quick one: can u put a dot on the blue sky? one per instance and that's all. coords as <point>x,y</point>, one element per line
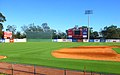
<point>61,14</point>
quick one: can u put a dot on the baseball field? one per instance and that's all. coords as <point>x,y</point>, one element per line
<point>40,53</point>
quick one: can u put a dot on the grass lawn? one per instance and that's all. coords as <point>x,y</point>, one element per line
<point>39,53</point>
<point>117,50</point>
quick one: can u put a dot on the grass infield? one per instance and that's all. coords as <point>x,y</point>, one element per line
<point>39,53</point>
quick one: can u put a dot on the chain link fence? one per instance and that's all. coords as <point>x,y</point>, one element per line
<point>22,69</point>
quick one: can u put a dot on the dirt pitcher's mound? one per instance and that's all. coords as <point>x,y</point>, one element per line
<point>3,57</point>
<point>88,52</point>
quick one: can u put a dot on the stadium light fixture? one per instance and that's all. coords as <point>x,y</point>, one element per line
<point>88,12</point>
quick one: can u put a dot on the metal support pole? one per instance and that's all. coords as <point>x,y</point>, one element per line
<point>84,70</point>
<point>34,69</point>
<point>64,72</point>
<point>88,12</point>
<point>88,28</point>
<point>12,69</point>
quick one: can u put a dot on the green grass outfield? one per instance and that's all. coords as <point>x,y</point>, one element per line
<point>39,53</point>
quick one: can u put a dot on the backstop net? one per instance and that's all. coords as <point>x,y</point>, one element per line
<point>39,36</point>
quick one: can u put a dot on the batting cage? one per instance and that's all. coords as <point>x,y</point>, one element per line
<point>39,36</point>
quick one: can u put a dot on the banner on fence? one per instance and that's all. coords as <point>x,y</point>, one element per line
<point>62,40</point>
<point>112,40</point>
<point>2,40</point>
<point>20,40</point>
<point>96,40</point>
<point>85,40</point>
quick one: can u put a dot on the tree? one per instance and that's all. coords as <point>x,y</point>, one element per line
<point>2,19</point>
<point>45,27</point>
<point>39,29</point>
<point>61,35</point>
<point>23,35</point>
<point>111,32</point>
<point>36,28</point>
<point>94,35</point>
<point>25,29</point>
<point>1,33</point>
<point>1,27</point>
<point>31,28</point>
<point>18,35</point>
<point>12,28</point>
<point>54,34</point>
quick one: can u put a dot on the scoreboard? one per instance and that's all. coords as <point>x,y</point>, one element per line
<point>85,32</point>
<point>77,33</point>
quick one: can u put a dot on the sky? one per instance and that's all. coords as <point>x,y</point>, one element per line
<point>61,14</point>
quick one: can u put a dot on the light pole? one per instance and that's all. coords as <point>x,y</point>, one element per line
<point>88,12</point>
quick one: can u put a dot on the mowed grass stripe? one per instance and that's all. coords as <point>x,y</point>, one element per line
<point>117,50</point>
<point>39,53</point>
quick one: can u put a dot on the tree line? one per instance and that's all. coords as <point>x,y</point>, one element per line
<point>109,32</point>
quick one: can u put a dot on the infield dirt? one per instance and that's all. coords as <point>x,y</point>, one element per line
<point>88,53</point>
<point>3,57</point>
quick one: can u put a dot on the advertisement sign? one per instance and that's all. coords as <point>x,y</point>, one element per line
<point>2,40</point>
<point>84,36</point>
<point>96,40</point>
<point>7,34</point>
<point>85,33</point>
<point>91,40</point>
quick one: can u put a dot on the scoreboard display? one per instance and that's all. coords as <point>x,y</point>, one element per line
<point>77,33</point>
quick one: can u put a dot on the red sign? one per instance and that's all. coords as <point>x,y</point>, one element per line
<point>7,34</point>
<point>11,40</point>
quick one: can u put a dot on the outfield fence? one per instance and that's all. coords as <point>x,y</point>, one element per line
<point>57,40</point>
<point>22,69</point>
<point>39,35</point>
<point>86,40</point>
<point>39,40</point>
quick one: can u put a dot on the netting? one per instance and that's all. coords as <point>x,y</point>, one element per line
<point>39,35</point>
